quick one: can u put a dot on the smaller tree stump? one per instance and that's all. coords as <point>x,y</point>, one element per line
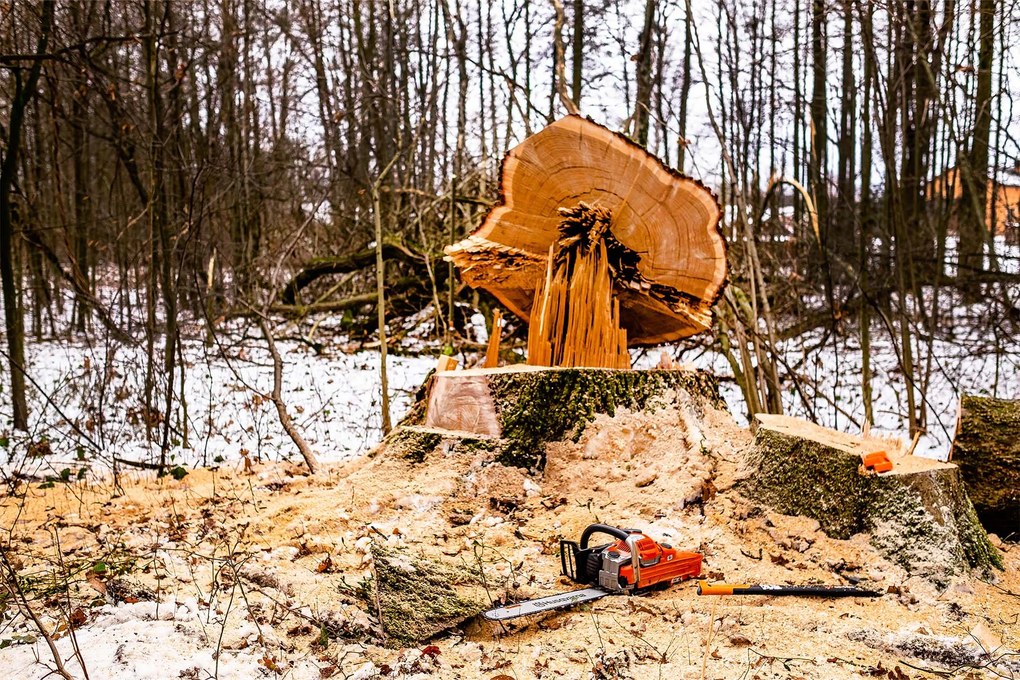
<point>918,514</point>
<point>987,449</point>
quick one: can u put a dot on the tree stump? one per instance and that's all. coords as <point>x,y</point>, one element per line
<point>987,450</point>
<point>515,411</point>
<point>918,514</point>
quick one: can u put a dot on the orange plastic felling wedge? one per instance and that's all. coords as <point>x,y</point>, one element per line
<point>877,461</point>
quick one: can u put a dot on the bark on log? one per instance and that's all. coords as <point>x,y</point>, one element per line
<point>918,514</point>
<point>416,598</point>
<point>987,450</point>
<point>516,410</point>
<point>316,269</point>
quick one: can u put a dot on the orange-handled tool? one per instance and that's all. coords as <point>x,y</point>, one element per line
<point>705,588</point>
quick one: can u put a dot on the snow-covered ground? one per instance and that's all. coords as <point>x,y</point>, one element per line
<point>87,403</point>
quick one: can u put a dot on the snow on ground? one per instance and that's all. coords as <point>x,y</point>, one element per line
<point>88,403</point>
<point>155,641</point>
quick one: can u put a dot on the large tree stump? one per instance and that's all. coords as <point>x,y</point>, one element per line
<point>515,411</point>
<point>987,450</point>
<point>918,514</point>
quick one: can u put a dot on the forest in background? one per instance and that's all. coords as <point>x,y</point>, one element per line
<point>170,168</point>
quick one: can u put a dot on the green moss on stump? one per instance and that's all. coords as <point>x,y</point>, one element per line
<point>537,407</point>
<point>921,520</point>
<point>987,449</point>
<point>415,443</point>
<point>790,478</point>
<point>416,598</point>
<point>925,523</point>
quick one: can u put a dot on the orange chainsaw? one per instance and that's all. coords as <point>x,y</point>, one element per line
<point>631,565</point>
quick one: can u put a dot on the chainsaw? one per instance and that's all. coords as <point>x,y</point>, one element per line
<point>631,565</point>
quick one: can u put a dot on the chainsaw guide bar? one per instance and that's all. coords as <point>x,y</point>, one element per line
<point>544,604</point>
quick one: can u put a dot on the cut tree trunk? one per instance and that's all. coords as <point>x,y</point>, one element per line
<point>666,252</point>
<point>987,450</point>
<point>918,514</point>
<point>515,411</point>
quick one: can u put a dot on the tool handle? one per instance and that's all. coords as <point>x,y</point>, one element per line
<point>601,529</point>
<point>704,588</point>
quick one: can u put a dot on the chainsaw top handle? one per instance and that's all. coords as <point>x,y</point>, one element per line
<point>603,529</point>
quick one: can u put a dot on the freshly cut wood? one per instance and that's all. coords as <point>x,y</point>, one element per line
<point>987,449</point>
<point>918,514</point>
<point>670,264</point>
<point>516,410</point>
<point>492,351</point>
<point>576,317</point>
<point>460,401</point>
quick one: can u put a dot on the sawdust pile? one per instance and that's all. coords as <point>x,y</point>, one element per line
<point>293,569</point>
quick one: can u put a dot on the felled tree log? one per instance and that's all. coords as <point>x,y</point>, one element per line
<point>416,598</point>
<point>987,450</point>
<point>326,266</point>
<point>918,514</point>
<point>666,248</point>
<point>515,411</point>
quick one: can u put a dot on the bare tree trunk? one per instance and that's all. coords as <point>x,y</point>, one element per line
<point>972,220</point>
<point>578,51</point>
<point>14,319</point>
<point>685,92</point>
<point>281,408</point>
<point>643,96</point>
<point>559,62</point>
<point>380,284</point>
<point>819,119</point>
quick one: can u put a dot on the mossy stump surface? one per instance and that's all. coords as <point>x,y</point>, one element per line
<point>415,442</point>
<point>527,407</point>
<point>415,598</point>
<point>987,449</point>
<point>918,515</point>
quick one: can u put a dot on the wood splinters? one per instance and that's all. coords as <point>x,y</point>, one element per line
<point>576,316</point>
<point>492,351</point>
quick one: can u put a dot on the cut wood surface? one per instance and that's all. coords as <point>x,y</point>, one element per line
<point>987,449</point>
<point>918,514</point>
<point>669,220</point>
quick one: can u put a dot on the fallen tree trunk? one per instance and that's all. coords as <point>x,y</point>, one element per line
<point>316,269</point>
<point>987,450</point>
<point>918,514</point>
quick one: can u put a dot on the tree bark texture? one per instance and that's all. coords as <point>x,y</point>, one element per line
<point>14,321</point>
<point>987,449</point>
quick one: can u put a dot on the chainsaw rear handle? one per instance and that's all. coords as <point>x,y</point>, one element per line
<point>603,529</point>
<point>580,562</point>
